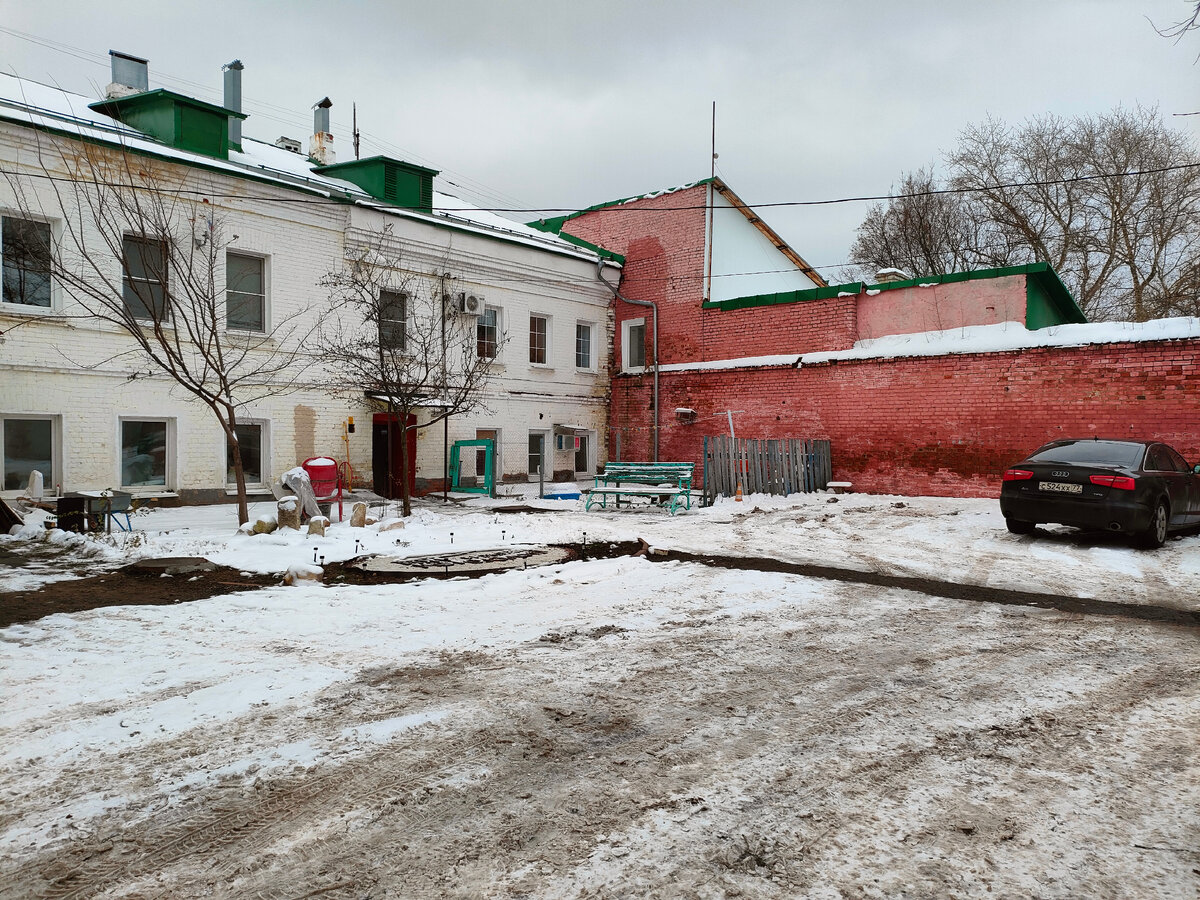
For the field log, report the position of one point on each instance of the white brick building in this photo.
(74, 407)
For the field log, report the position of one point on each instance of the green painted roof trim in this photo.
(158, 95)
(554, 225)
(366, 161)
(595, 248)
(1048, 302)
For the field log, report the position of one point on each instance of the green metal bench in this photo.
(668, 484)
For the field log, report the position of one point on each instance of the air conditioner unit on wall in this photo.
(470, 304)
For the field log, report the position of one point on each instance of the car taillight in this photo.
(1120, 482)
(1017, 475)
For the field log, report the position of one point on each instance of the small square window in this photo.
(144, 278)
(245, 292)
(393, 310)
(250, 441)
(144, 453)
(487, 333)
(583, 346)
(538, 339)
(25, 264)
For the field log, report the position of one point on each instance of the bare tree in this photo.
(143, 249)
(398, 336)
(1111, 201)
(923, 229)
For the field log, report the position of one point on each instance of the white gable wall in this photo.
(744, 261)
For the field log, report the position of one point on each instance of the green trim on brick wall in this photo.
(1047, 300)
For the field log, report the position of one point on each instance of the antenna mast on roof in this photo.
(354, 127)
(711, 203)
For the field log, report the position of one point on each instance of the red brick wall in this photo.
(943, 426)
(664, 249)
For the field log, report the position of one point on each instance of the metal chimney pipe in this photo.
(233, 100)
(130, 75)
(320, 145)
(321, 116)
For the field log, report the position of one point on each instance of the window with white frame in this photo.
(144, 280)
(487, 333)
(146, 453)
(252, 443)
(25, 250)
(583, 345)
(393, 310)
(537, 454)
(633, 344)
(245, 292)
(539, 340)
(29, 443)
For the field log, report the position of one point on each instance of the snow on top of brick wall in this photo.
(742, 362)
(1009, 336)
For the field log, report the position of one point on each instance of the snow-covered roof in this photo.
(1009, 336)
(52, 108)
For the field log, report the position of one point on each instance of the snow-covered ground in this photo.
(614, 727)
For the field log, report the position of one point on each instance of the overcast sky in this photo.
(566, 104)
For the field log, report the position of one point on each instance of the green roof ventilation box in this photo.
(182, 122)
(390, 180)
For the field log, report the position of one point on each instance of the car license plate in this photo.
(1061, 487)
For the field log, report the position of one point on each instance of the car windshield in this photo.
(1111, 453)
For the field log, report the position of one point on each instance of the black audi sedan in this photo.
(1141, 488)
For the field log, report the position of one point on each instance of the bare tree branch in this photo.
(140, 255)
(394, 334)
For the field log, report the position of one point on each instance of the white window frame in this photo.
(56, 457)
(547, 454)
(591, 326)
(266, 296)
(170, 464)
(549, 320)
(499, 332)
(406, 299)
(123, 273)
(626, 326)
(265, 461)
(55, 292)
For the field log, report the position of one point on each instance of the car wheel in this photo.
(1018, 527)
(1156, 535)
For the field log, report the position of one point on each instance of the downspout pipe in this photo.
(653, 306)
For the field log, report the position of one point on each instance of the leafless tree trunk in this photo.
(144, 251)
(396, 335)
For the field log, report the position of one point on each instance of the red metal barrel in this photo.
(323, 473)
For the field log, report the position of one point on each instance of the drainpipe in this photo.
(654, 307)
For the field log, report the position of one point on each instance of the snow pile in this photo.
(1009, 336)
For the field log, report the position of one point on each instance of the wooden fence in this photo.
(787, 466)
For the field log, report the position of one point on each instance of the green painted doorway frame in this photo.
(489, 479)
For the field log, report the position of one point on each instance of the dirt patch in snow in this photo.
(135, 585)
